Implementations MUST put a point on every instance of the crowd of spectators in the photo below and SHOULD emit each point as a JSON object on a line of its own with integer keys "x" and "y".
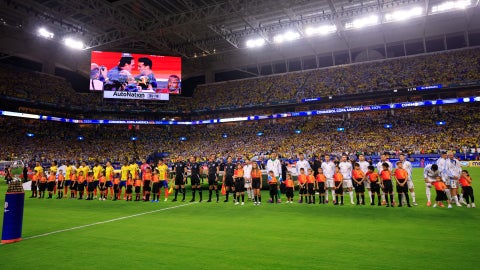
{"x": 414, "y": 131}
{"x": 445, "y": 68}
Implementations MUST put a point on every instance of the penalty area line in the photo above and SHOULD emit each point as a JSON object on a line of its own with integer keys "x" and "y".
{"x": 106, "y": 221}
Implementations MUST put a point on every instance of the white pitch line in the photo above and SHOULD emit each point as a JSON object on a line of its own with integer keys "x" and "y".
{"x": 106, "y": 221}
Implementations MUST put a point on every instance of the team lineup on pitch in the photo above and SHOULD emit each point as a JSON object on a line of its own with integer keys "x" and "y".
{"x": 332, "y": 181}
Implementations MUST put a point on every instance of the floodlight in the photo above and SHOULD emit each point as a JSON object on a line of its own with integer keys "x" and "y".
{"x": 441, "y": 123}
{"x": 80, "y": 138}
{"x": 252, "y": 43}
{"x": 133, "y": 138}
{"x": 73, "y": 43}
{"x": 321, "y": 30}
{"x": 183, "y": 138}
{"x": 31, "y": 135}
{"x": 260, "y": 133}
{"x": 224, "y": 135}
{"x": 287, "y": 36}
{"x": 45, "y": 33}
{"x": 451, "y": 5}
{"x": 340, "y": 129}
{"x": 388, "y": 126}
{"x": 402, "y": 15}
{"x": 363, "y": 22}
{"x": 298, "y": 131}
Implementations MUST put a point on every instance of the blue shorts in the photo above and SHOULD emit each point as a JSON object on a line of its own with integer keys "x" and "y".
{"x": 67, "y": 182}
{"x": 164, "y": 183}
{"x": 123, "y": 183}
{"x": 109, "y": 184}
{"x": 95, "y": 183}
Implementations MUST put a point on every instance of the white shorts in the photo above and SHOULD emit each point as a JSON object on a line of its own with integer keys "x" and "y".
{"x": 347, "y": 183}
{"x": 248, "y": 184}
{"x": 330, "y": 183}
{"x": 410, "y": 184}
{"x": 454, "y": 183}
{"x": 366, "y": 184}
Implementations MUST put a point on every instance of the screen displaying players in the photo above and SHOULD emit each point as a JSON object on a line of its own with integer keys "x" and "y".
{"x": 136, "y": 76}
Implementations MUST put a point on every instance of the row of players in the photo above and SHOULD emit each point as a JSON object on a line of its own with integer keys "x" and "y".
{"x": 238, "y": 178}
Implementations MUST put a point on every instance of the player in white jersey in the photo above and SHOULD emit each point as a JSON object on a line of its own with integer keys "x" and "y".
{"x": 407, "y": 165}
{"x": 274, "y": 165}
{"x": 247, "y": 175}
{"x": 383, "y": 158}
{"x": 328, "y": 168}
{"x": 346, "y": 170}
{"x": 443, "y": 167}
{"x": 454, "y": 172}
{"x": 302, "y": 163}
{"x": 430, "y": 174}
{"x": 364, "y": 168}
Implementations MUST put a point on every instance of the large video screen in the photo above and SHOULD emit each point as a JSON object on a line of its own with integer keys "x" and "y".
{"x": 135, "y": 76}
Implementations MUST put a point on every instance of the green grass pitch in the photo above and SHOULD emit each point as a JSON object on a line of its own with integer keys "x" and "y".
{"x": 225, "y": 236}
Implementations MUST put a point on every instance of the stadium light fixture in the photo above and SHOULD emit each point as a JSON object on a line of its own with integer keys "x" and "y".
{"x": 340, "y": 129}
{"x": 363, "y": 22}
{"x": 183, "y": 138}
{"x": 133, "y": 138}
{"x": 287, "y": 36}
{"x": 451, "y": 5}
{"x": 402, "y": 15}
{"x": 224, "y": 135}
{"x": 80, "y": 138}
{"x": 388, "y": 126}
{"x": 30, "y": 135}
{"x": 45, "y": 33}
{"x": 441, "y": 123}
{"x": 321, "y": 30}
{"x": 254, "y": 43}
{"x": 260, "y": 133}
{"x": 298, "y": 131}
{"x": 73, "y": 43}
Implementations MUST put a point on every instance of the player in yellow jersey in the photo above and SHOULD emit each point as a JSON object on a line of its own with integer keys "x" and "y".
{"x": 134, "y": 169}
{"x": 163, "y": 178}
{"x": 68, "y": 173}
{"x": 109, "y": 176}
{"x": 125, "y": 172}
{"x": 97, "y": 169}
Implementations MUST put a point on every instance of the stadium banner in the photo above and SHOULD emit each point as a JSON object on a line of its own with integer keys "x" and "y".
{"x": 136, "y": 95}
{"x": 474, "y": 164}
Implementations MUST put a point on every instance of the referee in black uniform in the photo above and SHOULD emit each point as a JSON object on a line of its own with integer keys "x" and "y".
{"x": 212, "y": 174}
{"x": 229, "y": 170}
{"x": 180, "y": 168}
{"x": 195, "y": 178}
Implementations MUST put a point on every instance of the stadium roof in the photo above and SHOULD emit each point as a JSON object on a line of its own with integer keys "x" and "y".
{"x": 213, "y": 33}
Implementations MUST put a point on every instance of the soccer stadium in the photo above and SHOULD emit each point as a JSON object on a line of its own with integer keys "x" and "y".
{"x": 240, "y": 134}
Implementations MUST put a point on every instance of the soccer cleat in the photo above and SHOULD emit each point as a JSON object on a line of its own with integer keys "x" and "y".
{"x": 279, "y": 201}
{"x": 200, "y": 201}
{"x": 300, "y": 201}
{"x": 326, "y": 201}
{"x": 441, "y": 205}
{"x": 473, "y": 205}
{"x": 435, "y": 206}
{"x": 237, "y": 203}
{"x": 165, "y": 200}
{"x": 183, "y": 200}
{"x": 174, "y": 200}
{"x": 429, "y": 203}
{"x": 415, "y": 203}
{"x": 209, "y": 200}
{"x": 225, "y": 201}
{"x": 468, "y": 205}
{"x": 449, "y": 206}
{"x": 243, "y": 203}
{"x": 458, "y": 204}
{"x": 192, "y": 200}
{"x": 384, "y": 202}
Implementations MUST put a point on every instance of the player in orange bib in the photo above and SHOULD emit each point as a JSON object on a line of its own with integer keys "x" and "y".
{"x": 373, "y": 177}
{"x": 302, "y": 182}
{"x": 289, "y": 188}
{"x": 60, "y": 184}
{"x": 338, "y": 183}
{"x": 358, "y": 176}
{"x": 467, "y": 190}
{"x": 401, "y": 176}
{"x": 386, "y": 183}
{"x": 320, "y": 186}
{"x": 102, "y": 185}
